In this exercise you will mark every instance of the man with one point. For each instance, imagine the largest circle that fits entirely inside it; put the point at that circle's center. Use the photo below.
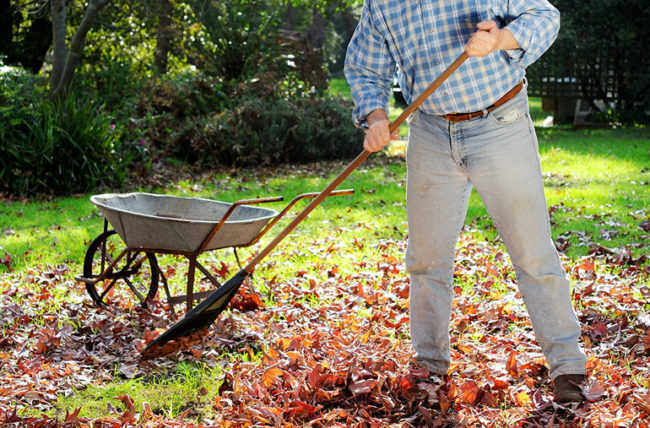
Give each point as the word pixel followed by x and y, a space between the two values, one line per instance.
pixel 473 131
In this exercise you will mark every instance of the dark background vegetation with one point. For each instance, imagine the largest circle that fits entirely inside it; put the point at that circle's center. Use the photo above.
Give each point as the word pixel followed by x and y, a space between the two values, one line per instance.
pixel 93 94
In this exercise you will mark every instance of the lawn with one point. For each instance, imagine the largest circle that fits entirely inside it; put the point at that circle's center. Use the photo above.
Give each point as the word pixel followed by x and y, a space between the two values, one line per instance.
pixel 327 344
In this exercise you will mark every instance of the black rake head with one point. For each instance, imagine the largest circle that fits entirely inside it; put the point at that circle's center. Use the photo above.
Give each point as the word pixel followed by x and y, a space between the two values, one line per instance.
pixel 197 320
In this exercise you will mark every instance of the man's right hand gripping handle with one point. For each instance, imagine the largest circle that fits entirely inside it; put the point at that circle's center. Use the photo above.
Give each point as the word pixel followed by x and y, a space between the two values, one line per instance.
pixel 378 135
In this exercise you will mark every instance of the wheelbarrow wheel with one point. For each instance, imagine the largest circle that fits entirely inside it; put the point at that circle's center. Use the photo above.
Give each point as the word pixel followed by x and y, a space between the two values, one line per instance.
pixel 138 270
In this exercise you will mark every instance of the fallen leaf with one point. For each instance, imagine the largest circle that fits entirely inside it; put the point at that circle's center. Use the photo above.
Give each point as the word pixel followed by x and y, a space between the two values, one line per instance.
pixel 300 410
pixel 271 375
pixel 522 398
pixel 6 261
pixel 129 415
pixel 645 225
pixel 314 378
pixel 128 370
pixel 594 391
pixel 362 387
pixel 73 418
pixel 470 392
pixel 511 364
pixel 33 396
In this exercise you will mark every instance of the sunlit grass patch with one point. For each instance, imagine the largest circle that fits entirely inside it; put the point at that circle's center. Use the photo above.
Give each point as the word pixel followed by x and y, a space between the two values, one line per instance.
pixel 186 387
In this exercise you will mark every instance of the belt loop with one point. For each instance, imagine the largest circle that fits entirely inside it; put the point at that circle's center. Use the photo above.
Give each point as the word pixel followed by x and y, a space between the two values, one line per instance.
pixel 485 112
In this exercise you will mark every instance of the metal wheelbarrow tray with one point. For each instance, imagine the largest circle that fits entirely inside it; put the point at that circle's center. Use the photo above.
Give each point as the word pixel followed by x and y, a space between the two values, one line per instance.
pixel 149 224
pixel 180 224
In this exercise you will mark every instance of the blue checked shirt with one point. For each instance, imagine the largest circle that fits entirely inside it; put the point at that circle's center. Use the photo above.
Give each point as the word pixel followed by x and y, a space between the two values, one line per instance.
pixel 420 38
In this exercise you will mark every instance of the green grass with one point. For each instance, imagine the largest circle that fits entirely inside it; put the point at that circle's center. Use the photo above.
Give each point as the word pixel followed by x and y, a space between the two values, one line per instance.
pixel 338 86
pixel 600 181
pixel 47 232
pixel 186 387
pixel 597 178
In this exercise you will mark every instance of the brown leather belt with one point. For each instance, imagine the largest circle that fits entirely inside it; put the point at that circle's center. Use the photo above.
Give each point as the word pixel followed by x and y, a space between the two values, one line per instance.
pixel 459 117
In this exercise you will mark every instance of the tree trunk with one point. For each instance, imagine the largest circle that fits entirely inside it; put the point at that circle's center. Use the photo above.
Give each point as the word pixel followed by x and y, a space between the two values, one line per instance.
pixel 289 23
pixel 77 44
pixel 316 31
pixel 164 34
pixel 349 23
pixel 59 48
pixel 313 71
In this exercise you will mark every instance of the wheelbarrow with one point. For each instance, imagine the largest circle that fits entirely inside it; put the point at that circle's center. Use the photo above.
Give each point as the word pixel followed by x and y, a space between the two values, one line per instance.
pixel 204 314
pixel 147 224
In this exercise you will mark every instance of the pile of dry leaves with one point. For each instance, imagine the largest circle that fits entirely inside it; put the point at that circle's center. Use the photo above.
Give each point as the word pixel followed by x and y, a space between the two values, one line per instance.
pixel 334 351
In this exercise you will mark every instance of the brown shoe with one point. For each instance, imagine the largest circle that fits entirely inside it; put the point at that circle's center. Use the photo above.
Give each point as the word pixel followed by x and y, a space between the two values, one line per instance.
pixel 567 388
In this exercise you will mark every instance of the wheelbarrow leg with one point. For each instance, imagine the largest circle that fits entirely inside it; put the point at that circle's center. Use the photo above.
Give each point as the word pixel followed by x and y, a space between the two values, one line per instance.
pixel 208 275
pixel 165 286
pixel 190 283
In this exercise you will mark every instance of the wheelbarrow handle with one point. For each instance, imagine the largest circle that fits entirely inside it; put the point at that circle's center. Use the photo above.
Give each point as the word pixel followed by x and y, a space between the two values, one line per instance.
pixel 341 192
pixel 230 210
pixel 290 205
pixel 259 200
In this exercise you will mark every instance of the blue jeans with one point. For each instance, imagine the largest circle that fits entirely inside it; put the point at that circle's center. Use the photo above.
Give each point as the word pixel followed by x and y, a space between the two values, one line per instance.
pixel 498 155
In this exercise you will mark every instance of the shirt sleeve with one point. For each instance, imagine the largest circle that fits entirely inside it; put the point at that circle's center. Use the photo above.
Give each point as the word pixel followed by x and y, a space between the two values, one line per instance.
pixel 534 25
pixel 368 68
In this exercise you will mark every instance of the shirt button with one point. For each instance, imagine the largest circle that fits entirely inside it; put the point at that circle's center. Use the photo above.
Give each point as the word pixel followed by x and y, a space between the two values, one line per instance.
pixel 437 62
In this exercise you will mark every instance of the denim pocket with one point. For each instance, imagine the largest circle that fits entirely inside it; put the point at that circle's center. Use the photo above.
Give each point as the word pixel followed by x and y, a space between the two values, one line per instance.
pixel 511 112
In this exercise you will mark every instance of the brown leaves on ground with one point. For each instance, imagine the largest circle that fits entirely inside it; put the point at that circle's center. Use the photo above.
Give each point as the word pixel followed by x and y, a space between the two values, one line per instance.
pixel 333 349
pixel 170 347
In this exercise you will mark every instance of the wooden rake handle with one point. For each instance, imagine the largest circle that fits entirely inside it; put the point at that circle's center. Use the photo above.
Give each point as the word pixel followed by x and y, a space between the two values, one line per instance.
pixel 355 163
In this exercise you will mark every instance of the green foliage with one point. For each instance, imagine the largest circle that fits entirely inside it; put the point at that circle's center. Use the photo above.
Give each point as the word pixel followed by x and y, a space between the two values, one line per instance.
pixel 114 84
pixel 263 131
pixel 243 37
pixel 181 96
pixel 266 132
pixel 198 119
pixel 125 34
pixel 227 80
pixel 59 146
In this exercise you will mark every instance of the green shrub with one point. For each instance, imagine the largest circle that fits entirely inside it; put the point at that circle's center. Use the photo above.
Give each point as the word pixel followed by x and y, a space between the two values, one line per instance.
pixel 60 146
pixel 266 131
pixel 265 120
pixel 183 95
pixel 73 145
pixel 114 84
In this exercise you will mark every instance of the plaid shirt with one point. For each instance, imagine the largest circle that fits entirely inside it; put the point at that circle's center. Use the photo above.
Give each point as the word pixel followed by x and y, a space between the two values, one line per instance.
pixel 422 37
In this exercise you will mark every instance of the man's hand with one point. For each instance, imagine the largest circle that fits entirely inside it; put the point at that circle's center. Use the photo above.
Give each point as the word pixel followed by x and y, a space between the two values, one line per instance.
pixel 490 38
pixel 378 135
